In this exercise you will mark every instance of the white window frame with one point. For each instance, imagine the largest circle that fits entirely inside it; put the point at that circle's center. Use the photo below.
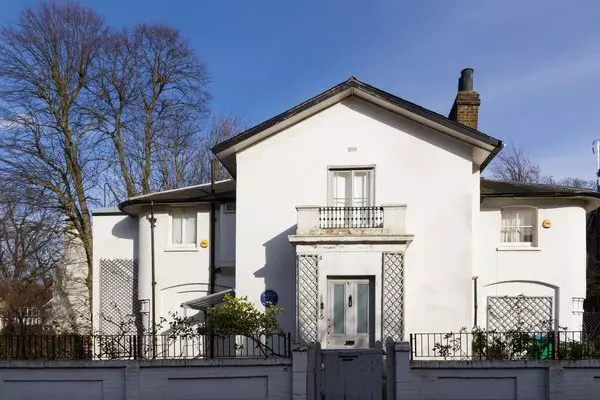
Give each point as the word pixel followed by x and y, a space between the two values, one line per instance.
pixel 533 227
pixel 183 246
pixel 330 187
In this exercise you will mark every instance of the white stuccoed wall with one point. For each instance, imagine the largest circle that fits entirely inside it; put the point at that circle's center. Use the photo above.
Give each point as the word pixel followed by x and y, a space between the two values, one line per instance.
pixel 181 274
pixel 429 172
pixel 358 260
pixel 115 236
pixel 560 257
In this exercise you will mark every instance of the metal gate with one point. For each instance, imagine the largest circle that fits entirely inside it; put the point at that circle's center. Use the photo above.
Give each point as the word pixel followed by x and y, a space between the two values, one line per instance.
pixel 350 374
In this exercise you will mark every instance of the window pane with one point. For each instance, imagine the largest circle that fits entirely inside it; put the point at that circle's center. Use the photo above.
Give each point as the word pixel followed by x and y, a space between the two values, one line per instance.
pixel 362 308
pixel 525 217
pixel 361 188
pixel 518 225
pixel 339 309
pixel 190 226
pixel 177 225
pixel 342 187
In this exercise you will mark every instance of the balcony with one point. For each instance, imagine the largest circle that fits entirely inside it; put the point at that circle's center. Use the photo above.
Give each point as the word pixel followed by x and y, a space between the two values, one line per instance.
pixel 376 224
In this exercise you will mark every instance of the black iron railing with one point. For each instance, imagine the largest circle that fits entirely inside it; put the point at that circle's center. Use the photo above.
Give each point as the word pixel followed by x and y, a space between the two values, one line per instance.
pixel 513 345
pixel 121 347
pixel 350 217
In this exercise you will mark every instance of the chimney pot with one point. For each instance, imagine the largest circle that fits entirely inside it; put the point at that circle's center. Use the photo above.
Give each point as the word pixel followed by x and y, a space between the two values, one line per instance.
pixel 465 109
pixel 465 82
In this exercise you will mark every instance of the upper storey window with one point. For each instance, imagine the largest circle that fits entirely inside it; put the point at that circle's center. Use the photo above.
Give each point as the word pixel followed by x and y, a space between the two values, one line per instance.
pixel 518 225
pixel 351 187
pixel 183 226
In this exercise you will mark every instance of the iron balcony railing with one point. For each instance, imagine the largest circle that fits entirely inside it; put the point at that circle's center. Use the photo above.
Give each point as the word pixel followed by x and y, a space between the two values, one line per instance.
pixel 133 347
pixel 513 345
pixel 350 217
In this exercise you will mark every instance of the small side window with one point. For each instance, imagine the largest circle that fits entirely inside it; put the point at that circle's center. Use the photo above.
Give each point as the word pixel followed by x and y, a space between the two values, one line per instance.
pixel 229 208
pixel 183 226
pixel 519 226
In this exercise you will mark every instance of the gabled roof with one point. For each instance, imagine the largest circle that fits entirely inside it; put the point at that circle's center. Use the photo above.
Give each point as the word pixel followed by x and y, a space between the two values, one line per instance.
pixel 506 189
pixel 226 150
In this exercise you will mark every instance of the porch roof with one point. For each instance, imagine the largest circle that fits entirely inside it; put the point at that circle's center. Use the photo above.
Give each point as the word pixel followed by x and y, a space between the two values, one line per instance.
pixel 202 303
pixel 223 191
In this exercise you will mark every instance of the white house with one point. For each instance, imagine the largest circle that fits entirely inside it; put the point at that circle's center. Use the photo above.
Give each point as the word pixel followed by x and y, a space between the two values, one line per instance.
pixel 362 215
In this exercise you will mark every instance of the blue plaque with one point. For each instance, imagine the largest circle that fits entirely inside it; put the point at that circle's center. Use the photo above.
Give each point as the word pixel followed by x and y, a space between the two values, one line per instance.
pixel 269 296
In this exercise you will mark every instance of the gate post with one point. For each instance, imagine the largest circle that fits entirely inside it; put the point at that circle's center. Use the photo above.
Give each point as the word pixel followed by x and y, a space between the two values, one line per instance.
pixel 390 370
pixel 300 371
pixel 313 377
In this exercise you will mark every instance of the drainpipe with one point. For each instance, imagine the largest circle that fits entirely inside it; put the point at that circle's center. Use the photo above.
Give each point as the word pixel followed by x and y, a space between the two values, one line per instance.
pixel 153 269
pixel 211 254
pixel 475 300
pixel 213 218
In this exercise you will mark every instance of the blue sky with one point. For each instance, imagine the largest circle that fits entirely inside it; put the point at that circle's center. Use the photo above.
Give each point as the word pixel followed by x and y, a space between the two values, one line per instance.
pixel 537 63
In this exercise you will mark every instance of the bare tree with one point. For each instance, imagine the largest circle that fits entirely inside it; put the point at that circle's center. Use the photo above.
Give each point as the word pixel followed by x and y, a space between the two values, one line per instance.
pixel 82 105
pixel 151 98
pixel 513 164
pixel 570 182
pixel 29 255
pixel 115 94
pixel 49 141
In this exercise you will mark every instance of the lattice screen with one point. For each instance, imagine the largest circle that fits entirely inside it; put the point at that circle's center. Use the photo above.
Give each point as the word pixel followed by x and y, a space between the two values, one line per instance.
pixel 393 296
pixel 307 293
pixel 118 295
pixel 527 313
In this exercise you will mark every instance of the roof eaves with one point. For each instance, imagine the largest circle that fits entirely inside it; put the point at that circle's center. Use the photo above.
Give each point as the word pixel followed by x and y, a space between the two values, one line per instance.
pixel 426 113
pixel 349 83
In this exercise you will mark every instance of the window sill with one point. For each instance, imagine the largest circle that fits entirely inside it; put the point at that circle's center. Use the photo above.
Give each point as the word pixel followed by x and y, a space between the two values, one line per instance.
pixel 518 248
pixel 182 249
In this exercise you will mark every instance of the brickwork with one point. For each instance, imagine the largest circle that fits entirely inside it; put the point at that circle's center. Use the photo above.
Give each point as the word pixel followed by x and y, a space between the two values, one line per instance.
pixel 466 109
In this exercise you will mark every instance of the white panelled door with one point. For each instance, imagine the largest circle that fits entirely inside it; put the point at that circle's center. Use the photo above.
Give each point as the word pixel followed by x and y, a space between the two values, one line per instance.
pixel 349 315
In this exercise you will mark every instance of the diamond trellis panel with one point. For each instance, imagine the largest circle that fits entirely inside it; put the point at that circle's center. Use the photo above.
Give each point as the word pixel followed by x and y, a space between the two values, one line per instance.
pixel 527 313
pixel 591 323
pixel 307 292
pixel 117 293
pixel 393 296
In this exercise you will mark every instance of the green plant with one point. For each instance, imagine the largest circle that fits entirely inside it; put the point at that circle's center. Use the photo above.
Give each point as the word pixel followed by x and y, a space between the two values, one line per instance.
pixel 236 316
pixel 515 344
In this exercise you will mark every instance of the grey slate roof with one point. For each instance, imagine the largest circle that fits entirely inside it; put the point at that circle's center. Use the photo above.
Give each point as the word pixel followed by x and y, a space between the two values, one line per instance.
pixel 494 188
pixel 354 84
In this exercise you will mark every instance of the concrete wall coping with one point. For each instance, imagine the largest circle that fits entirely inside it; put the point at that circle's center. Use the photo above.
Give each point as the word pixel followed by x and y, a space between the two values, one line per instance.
pixel 501 364
pixel 219 362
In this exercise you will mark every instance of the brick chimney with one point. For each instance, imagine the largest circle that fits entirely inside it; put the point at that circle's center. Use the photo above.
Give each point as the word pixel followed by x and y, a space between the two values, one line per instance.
pixel 466 105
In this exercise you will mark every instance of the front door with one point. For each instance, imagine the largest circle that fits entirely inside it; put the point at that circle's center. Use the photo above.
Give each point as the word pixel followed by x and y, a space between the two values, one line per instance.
pixel 349 316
